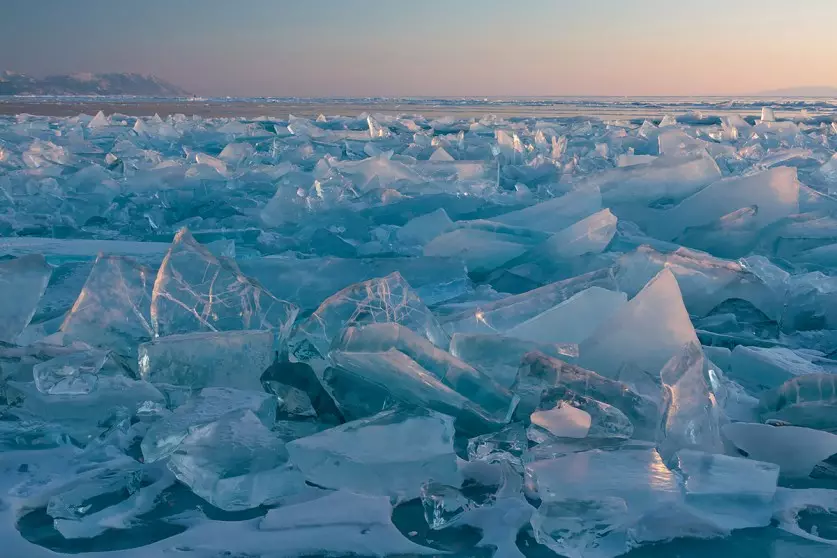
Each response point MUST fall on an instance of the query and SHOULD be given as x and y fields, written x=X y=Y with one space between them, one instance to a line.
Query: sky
x=352 y=48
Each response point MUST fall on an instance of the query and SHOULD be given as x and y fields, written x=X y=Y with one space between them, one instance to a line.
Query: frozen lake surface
x=530 y=327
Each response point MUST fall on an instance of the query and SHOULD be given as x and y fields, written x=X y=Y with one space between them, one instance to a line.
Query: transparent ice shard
x=113 y=309
x=796 y=450
x=196 y=291
x=591 y=235
x=481 y=251
x=84 y=416
x=424 y=228
x=539 y=372
x=759 y=369
x=730 y=492
x=774 y=191
x=308 y=282
x=690 y=415
x=666 y=178
x=364 y=383
x=443 y=504
x=573 y=320
x=235 y=463
x=565 y=414
x=23 y=281
x=556 y=214
x=454 y=373
x=657 y=313
x=705 y=282
x=72 y=374
x=235 y=359
x=507 y=445
x=123 y=515
x=809 y=400
x=506 y=313
x=388 y=299
x=499 y=356
x=206 y=407
x=390 y=454
x=593 y=501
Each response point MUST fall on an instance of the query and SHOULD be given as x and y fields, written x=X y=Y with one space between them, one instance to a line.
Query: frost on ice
x=394 y=335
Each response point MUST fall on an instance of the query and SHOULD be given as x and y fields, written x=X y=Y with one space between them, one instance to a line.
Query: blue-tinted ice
x=396 y=335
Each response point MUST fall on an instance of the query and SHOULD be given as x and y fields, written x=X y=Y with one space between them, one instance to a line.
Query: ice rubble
x=381 y=335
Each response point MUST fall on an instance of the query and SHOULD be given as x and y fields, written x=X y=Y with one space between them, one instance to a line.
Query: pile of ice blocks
x=401 y=336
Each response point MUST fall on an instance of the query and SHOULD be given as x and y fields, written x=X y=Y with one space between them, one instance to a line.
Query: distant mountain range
x=88 y=84
x=812 y=91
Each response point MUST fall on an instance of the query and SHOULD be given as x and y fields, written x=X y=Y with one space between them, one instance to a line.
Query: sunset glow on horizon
x=433 y=48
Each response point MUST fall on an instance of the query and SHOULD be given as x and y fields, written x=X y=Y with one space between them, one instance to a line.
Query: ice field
x=405 y=335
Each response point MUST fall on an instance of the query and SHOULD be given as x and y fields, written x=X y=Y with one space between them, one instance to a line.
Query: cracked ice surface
x=393 y=335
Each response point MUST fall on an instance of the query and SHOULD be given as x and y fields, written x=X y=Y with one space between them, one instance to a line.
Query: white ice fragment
x=573 y=320
x=556 y=214
x=796 y=450
x=22 y=284
x=656 y=313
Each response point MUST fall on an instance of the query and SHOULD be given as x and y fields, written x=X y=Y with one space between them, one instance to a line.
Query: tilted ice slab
x=796 y=450
x=658 y=313
x=389 y=454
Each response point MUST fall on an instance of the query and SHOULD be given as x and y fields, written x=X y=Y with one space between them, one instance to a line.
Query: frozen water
x=195 y=291
x=796 y=450
x=235 y=359
x=392 y=453
x=253 y=337
x=690 y=415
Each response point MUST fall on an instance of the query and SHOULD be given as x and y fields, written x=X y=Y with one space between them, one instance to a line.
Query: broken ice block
x=730 y=492
x=593 y=501
x=565 y=414
x=235 y=359
x=539 y=372
x=388 y=299
x=556 y=214
x=196 y=291
x=657 y=313
x=508 y=444
x=666 y=178
x=424 y=228
x=22 y=283
x=82 y=415
x=390 y=454
x=774 y=191
x=690 y=415
x=809 y=400
x=235 y=463
x=705 y=282
x=506 y=313
x=573 y=320
x=591 y=235
x=796 y=450
x=307 y=282
x=481 y=251
x=759 y=369
x=72 y=374
x=142 y=498
x=206 y=407
x=363 y=384
x=113 y=309
x=443 y=504
x=479 y=388
x=499 y=356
